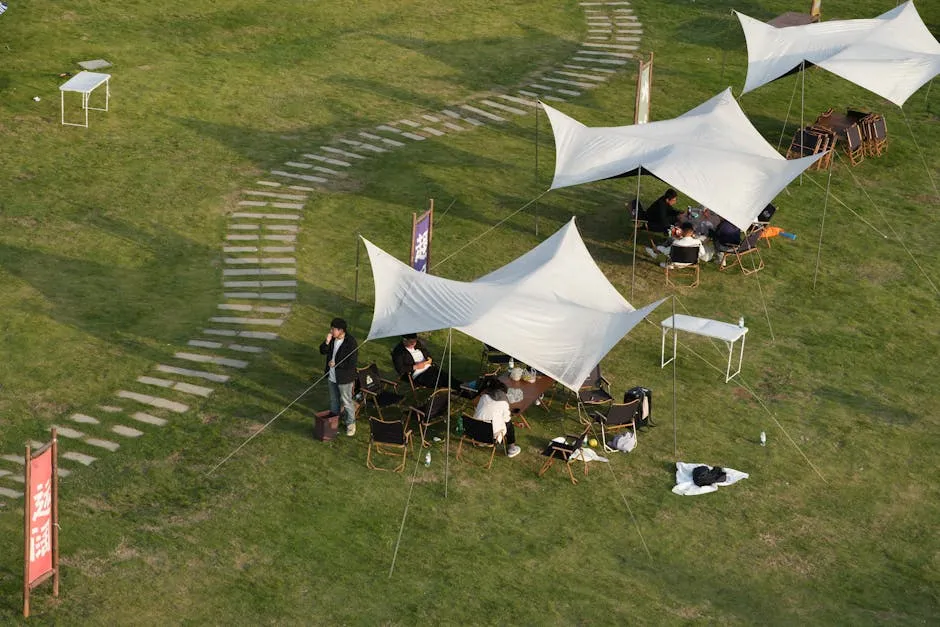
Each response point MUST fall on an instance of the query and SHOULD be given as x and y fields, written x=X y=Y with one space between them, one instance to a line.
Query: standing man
x=342 y=357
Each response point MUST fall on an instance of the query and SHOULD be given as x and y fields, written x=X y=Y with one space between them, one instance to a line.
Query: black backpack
x=644 y=416
x=703 y=475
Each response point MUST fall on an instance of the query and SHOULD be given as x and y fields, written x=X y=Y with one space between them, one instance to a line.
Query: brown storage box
x=325 y=426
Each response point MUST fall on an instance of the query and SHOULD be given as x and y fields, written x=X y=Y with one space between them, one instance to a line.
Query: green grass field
x=111 y=260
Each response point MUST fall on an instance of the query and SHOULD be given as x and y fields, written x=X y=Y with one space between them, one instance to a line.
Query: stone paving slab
x=565 y=81
x=517 y=100
x=433 y=131
x=610 y=61
x=212 y=359
x=155 y=401
x=239 y=249
x=260 y=284
x=414 y=136
x=84 y=419
x=199 y=374
x=242 y=348
x=148 y=419
x=240 y=238
x=454 y=127
x=302 y=177
x=275 y=195
x=16 y=459
x=258 y=271
x=340 y=151
x=111 y=409
x=262 y=295
x=81 y=458
x=261 y=322
x=330 y=160
x=267 y=216
x=10 y=494
x=66 y=432
x=384 y=140
x=128 y=432
x=105 y=444
x=502 y=107
x=591 y=77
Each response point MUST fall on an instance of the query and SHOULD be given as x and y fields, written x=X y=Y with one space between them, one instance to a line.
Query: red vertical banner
x=40 y=523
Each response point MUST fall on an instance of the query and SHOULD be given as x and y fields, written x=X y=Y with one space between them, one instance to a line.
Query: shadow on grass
x=868 y=406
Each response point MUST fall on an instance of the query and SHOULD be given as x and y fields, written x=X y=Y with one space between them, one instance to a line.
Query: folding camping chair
x=493 y=357
x=565 y=451
x=375 y=389
x=763 y=220
x=804 y=144
x=594 y=391
x=854 y=146
x=388 y=437
x=477 y=434
x=827 y=144
x=874 y=134
x=744 y=249
x=683 y=258
x=434 y=411
x=619 y=416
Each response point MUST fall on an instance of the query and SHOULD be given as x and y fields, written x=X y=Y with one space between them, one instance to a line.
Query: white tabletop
x=704 y=326
x=84 y=82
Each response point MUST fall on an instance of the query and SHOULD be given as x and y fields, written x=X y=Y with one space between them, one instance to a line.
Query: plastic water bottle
x=512 y=363
x=741 y=322
x=787 y=235
x=763 y=439
x=427 y=459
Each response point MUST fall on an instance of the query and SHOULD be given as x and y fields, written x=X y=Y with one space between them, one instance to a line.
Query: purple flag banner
x=421 y=230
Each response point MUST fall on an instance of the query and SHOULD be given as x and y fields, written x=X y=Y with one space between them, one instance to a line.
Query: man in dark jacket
x=662 y=214
x=411 y=357
x=342 y=356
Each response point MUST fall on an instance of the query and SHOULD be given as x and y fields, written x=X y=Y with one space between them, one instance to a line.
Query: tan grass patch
x=879 y=271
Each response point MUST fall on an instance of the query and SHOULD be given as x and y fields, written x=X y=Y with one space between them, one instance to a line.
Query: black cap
x=338 y=323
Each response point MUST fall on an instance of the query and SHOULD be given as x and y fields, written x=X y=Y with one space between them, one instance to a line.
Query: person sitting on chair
x=727 y=234
x=687 y=239
x=662 y=214
x=412 y=358
x=493 y=407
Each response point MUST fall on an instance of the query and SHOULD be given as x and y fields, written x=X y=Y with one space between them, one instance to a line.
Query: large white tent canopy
x=892 y=55
x=552 y=308
x=711 y=153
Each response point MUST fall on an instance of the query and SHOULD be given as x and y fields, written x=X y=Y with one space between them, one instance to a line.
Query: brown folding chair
x=619 y=416
x=389 y=437
x=375 y=389
x=738 y=253
x=804 y=144
x=874 y=134
x=432 y=412
x=683 y=258
x=477 y=434
x=565 y=451
x=855 y=146
x=594 y=391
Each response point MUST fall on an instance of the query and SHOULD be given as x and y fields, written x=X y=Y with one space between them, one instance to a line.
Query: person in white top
x=686 y=238
x=493 y=407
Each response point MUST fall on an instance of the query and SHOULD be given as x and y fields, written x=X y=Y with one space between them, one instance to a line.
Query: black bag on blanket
x=703 y=475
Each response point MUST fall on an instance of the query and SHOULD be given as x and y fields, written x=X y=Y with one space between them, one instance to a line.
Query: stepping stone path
x=261 y=237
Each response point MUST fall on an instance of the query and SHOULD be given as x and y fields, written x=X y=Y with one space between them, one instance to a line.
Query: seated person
x=411 y=357
x=727 y=234
x=494 y=408
x=687 y=238
x=662 y=214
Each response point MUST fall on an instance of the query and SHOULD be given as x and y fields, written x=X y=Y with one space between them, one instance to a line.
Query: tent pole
x=675 y=394
x=356 y=292
x=536 y=166
x=822 y=225
x=636 y=228
x=802 y=101
x=789 y=108
x=450 y=363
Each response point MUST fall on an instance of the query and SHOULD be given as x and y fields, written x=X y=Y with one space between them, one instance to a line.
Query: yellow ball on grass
x=592 y=442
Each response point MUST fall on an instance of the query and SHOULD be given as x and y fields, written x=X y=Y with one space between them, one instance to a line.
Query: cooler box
x=325 y=426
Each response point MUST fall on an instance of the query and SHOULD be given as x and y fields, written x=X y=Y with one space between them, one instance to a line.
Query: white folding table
x=85 y=83
x=729 y=333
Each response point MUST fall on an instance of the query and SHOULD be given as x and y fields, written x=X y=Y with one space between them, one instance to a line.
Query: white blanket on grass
x=686 y=487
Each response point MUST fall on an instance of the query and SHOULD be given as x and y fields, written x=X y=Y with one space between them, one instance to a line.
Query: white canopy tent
x=552 y=308
x=892 y=55
x=711 y=153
